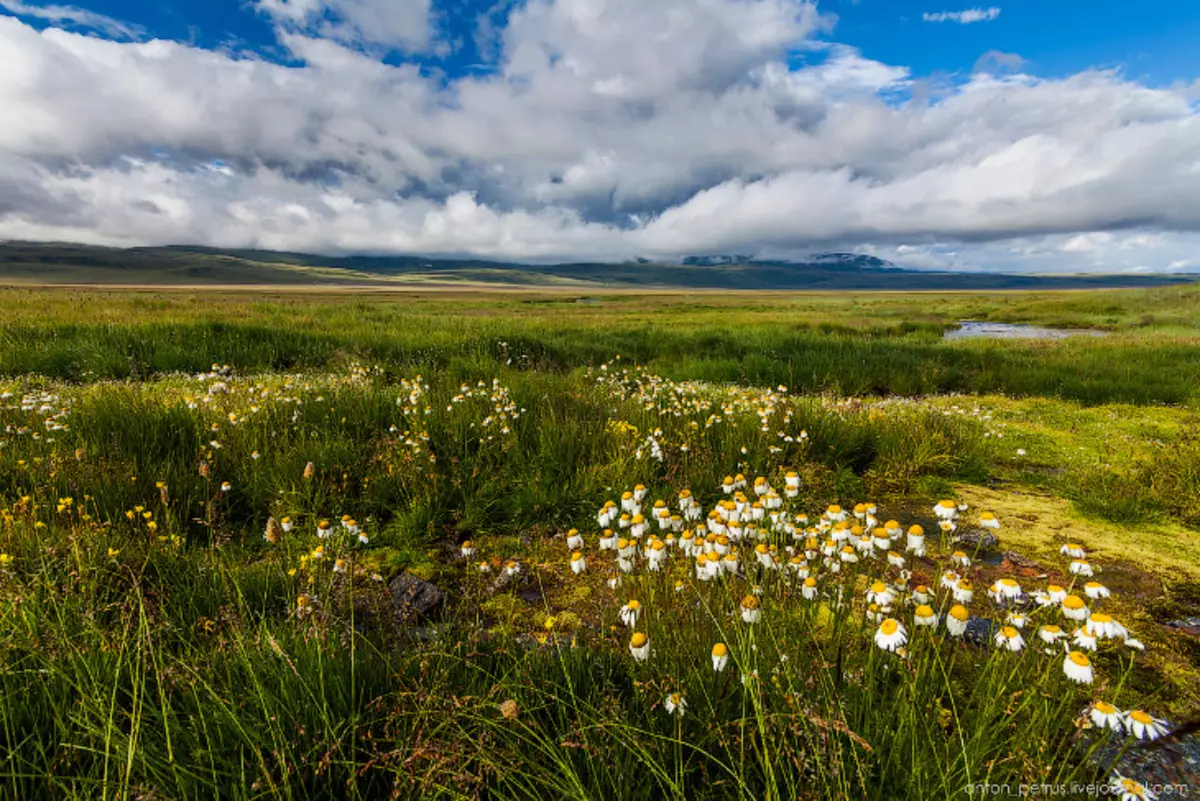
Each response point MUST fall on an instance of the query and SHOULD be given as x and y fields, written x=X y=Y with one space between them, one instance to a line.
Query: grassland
x=163 y=636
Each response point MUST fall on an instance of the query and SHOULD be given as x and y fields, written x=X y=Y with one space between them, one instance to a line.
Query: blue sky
x=1154 y=40
x=1035 y=136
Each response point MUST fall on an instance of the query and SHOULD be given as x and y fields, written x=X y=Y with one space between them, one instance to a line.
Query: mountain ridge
x=52 y=263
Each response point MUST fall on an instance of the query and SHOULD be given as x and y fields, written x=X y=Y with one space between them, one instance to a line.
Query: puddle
x=971 y=329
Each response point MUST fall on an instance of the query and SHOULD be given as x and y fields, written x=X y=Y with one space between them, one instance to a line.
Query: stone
x=979 y=541
x=414 y=597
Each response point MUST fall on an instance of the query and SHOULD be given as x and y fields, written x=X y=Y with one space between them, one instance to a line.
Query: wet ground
x=970 y=329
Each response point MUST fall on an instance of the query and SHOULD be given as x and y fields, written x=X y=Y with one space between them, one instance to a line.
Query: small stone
x=414 y=597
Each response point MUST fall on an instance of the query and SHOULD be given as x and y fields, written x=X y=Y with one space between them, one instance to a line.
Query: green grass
x=154 y=645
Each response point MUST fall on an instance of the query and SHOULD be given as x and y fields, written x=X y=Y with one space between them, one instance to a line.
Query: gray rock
x=413 y=597
x=980 y=631
x=979 y=541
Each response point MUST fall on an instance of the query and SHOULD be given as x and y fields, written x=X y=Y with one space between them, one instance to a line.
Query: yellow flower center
x=888 y=627
x=1105 y=708
x=878 y=587
x=720 y=649
x=1007 y=582
x=1100 y=617
x=637 y=640
x=810 y=582
x=1009 y=632
x=1073 y=602
x=924 y=611
x=1078 y=659
x=960 y=613
x=634 y=605
x=750 y=602
x=1051 y=629
x=917 y=531
x=1141 y=717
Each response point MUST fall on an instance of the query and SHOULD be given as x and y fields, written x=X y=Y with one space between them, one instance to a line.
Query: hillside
x=53 y=263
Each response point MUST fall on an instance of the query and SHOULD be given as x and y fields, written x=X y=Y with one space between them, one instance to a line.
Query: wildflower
x=1078 y=668
x=890 y=635
x=484 y=567
x=226 y=486
x=5 y=560
x=848 y=555
x=304 y=603
x=1016 y=619
x=960 y=558
x=509 y=709
x=1104 y=626
x=1079 y=567
x=963 y=592
x=809 y=590
x=720 y=656
x=254 y=455
x=895 y=559
x=339 y=565
x=1074 y=608
x=1135 y=644
x=467 y=549
x=512 y=567
x=629 y=613
x=921 y=594
x=1056 y=593
x=835 y=513
x=946 y=510
x=1051 y=634
x=1085 y=638
x=1008 y=637
x=1106 y=716
x=880 y=593
x=286 y=524
x=750 y=609
x=957 y=619
x=1143 y=726
x=915 y=544
x=988 y=520
x=639 y=646
x=1130 y=790
x=324 y=529
x=113 y=553
x=1095 y=590
x=578 y=563
x=1073 y=550
x=924 y=615
x=674 y=704
x=1005 y=589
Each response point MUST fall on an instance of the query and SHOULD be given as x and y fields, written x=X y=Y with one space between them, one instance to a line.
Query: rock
x=980 y=631
x=979 y=541
x=1021 y=566
x=1189 y=625
x=414 y=597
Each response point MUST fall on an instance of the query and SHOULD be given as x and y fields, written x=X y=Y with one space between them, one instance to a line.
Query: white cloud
x=74 y=17
x=609 y=130
x=405 y=24
x=963 y=17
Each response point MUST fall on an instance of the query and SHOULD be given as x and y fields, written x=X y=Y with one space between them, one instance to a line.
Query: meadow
x=295 y=544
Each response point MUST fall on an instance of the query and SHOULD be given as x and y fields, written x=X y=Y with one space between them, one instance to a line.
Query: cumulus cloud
x=963 y=17
x=604 y=131
x=404 y=24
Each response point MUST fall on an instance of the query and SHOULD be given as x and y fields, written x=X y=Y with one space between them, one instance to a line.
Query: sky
x=1025 y=136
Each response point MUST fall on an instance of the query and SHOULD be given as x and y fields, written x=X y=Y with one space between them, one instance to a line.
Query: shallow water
x=970 y=329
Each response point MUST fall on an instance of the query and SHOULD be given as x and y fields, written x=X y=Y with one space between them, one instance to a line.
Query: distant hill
x=52 y=263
